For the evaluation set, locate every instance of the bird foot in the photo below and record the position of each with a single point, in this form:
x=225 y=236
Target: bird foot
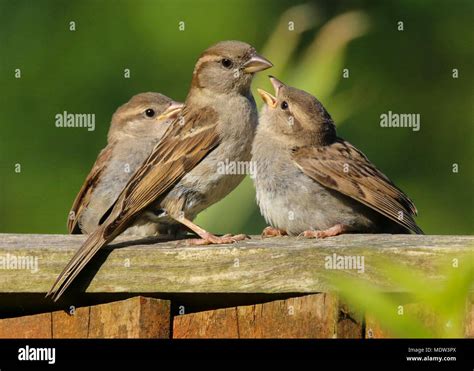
x=273 y=232
x=330 y=232
x=210 y=239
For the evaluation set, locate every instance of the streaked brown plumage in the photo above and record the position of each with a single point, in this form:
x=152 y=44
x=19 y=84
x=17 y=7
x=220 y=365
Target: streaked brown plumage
x=135 y=129
x=326 y=184
x=180 y=178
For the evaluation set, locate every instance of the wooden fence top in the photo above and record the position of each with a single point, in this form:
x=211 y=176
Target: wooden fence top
x=29 y=263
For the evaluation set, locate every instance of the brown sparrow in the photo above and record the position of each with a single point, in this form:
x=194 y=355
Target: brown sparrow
x=311 y=182
x=135 y=129
x=180 y=178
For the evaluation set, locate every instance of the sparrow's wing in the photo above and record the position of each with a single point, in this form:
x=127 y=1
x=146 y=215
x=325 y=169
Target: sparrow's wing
x=184 y=147
x=342 y=167
x=83 y=197
x=187 y=141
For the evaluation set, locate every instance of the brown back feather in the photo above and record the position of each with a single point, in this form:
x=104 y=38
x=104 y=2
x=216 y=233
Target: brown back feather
x=362 y=182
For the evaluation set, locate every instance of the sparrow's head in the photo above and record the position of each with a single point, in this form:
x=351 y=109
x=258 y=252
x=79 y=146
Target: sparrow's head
x=144 y=115
x=228 y=67
x=295 y=115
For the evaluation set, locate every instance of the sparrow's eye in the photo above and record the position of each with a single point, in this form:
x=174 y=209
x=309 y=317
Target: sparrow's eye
x=150 y=112
x=227 y=63
x=284 y=105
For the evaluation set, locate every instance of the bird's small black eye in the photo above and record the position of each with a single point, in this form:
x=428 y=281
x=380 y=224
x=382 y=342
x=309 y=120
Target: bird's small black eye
x=227 y=63
x=284 y=105
x=150 y=112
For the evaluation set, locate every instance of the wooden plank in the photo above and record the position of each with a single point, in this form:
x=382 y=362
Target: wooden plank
x=311 y=316
x=429 y=320
x=71 y=326
x=276 y=265
x=425 y=316
x=27 y=327
x=349 y=324
x=373 y=330
x=469 y=324
x=136 y=317
x=220 y=323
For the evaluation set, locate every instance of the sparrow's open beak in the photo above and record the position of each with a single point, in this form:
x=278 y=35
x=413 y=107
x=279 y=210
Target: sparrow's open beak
x=257 y=63
x=172 y=111
x=277 y=84
x=269 y=99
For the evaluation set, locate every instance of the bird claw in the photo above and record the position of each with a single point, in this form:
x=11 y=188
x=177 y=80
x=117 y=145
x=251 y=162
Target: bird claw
x=312 y=234
x=330 y=232
x=269 y=232
x=211 y=239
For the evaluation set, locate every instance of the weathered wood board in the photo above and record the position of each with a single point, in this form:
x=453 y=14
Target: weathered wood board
x=320 y=315
x=311 y=316
x=435 y=326
x=276 y=265
x=137 y=317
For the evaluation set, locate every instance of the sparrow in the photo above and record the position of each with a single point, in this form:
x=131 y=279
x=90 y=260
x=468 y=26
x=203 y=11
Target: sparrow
x=311 y=182
x=135 y=129
x=180 y=178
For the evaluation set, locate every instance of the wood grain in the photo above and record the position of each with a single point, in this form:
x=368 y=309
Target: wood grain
x=137 y=317
x=276 y=265
x=27 y=327
x=311 y=316
x=424 y=315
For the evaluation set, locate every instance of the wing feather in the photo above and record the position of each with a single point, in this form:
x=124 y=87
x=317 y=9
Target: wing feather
x=85 y=193
x=184 y=145
x=342 y=167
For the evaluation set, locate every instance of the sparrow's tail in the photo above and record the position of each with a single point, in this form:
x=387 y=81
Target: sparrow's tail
x=418 y=230
x=85 y=253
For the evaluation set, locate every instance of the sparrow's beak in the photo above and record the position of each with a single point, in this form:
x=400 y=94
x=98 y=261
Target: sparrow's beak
x=277 y=84
x=269 y=99
x=172 y=111
x=257 y=63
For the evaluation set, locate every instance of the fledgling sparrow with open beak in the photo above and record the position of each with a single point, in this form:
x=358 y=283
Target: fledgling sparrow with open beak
x=135 y=129
x=180 y=178
x=309 y=181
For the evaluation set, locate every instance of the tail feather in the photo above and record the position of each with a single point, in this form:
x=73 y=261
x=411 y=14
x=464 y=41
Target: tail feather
x=418 y=230
x=85 y=253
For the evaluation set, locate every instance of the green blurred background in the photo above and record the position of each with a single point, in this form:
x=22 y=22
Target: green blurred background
x=406 y=71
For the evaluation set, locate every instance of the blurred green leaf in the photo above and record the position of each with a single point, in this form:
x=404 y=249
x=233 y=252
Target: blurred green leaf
x=443 y=303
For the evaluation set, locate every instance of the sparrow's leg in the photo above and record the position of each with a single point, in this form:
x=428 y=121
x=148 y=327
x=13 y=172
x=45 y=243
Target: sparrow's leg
x=273 y=232
x=206 y=237
x=330 y=232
